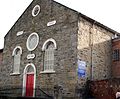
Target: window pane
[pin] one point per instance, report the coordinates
(17, 52)
(32, 41)
(30, 69)
(16, 63)
(49, 57)
(116, 55)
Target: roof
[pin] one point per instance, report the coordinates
(82, 15)
(99, 24)
(92, 20)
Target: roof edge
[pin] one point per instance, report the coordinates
(82, 15)
(19, 17)
(98, 23)
(91, 20)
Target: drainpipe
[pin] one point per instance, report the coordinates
(91, 48)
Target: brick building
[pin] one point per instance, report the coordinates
(116, 58)
(55, 49)
(107, 88)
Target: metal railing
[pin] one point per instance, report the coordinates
(17, 92)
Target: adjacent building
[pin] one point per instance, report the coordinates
(116, 57)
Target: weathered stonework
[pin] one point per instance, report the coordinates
(76, 37)
(94, 47)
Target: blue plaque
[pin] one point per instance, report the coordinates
(81, 69)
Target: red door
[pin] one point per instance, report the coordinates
(29, 84)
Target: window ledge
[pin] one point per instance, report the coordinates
(14, 74)
(47, 72)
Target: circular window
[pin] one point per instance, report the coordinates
(36, 10)
(32, 41)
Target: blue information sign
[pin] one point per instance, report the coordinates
(81, 68)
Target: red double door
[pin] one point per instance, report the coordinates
(29, 85)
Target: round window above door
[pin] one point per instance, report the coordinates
(32, 41)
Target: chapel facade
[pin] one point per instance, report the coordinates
(56, 49)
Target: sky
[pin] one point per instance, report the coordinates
(104, 11)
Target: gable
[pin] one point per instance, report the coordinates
(49, 11)
(53, 21)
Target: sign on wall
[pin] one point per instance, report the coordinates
(81, 69)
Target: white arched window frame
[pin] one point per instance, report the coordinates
(17, 52)
(48, 60)
(49, 40)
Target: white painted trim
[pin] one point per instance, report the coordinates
(30, 56)
(49, 40)
(17, 47)
(19, 33)
(28, 41)
(47, 72)
(51, 23)
(33, 14)
(14, 74)
(24, 78)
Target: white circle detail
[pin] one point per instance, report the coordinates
(36, 10)
(32, 41)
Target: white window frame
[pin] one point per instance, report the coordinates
(27, 43)
(17, 47)
(33, 11)
(13, 54)
(44, 48)
(49, 40)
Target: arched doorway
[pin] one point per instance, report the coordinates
(29, 78)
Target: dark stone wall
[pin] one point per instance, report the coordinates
(64, 32)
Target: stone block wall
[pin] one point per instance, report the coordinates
(95, 48)
(64, 32)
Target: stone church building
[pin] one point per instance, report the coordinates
(57, 50)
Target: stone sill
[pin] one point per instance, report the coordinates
(47, 72)
(14, 74)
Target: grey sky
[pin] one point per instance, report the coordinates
(104, 11)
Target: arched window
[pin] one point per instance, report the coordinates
(49, 47)
(16, 59)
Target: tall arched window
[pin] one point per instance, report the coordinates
(49, 47)
(16, 59)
